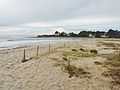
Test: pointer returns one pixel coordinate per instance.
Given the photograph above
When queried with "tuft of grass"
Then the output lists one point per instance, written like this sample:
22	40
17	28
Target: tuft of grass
64	58
55	59
113	57
85	54
113	65
74	50
81	49
110	44
114	74
94	51
76	72
98	63
60	64
79	54
72	70
67	53
84	50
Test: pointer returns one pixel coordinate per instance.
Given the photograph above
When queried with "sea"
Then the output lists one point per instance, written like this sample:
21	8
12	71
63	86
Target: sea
13	41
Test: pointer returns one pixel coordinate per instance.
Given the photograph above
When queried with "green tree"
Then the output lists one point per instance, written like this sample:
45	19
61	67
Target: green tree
73	34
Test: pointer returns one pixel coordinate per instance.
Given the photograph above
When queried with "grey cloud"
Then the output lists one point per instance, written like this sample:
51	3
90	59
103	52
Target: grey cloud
17	12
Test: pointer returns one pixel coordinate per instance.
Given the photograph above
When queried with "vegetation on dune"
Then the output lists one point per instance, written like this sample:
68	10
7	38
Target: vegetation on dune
98	63
85	54
94	51
80	53
82	49
74	50
72	70
109	44
68	55
113	65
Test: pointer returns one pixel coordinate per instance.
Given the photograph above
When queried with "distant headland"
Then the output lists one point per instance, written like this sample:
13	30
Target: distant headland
91	34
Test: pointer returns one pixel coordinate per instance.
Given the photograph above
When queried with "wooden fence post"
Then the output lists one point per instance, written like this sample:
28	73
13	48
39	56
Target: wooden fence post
37	51
64	44
77	43
119	53
69	68
49	47
24	59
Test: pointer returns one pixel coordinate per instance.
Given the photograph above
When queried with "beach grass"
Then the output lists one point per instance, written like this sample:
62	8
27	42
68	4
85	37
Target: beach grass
65	61
113	66
71	69
110	44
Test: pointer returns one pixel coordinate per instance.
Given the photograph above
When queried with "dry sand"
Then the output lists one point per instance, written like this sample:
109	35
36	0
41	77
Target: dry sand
41	74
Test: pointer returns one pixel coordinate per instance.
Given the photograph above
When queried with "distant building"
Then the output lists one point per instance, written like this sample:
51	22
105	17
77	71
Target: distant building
91	36
104	35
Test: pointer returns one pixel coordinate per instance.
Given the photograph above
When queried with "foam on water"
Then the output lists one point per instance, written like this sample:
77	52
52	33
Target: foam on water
17	41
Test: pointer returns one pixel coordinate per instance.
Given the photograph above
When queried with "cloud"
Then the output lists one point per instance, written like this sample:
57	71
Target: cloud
34	15
17	12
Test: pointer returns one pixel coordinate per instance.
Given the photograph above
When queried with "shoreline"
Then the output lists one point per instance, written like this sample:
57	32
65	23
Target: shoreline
41	41
75	39
30	45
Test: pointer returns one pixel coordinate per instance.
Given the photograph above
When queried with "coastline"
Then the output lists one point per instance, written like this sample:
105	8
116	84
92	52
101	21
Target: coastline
33	41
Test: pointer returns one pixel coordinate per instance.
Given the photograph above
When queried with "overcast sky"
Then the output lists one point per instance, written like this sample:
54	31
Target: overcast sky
28	16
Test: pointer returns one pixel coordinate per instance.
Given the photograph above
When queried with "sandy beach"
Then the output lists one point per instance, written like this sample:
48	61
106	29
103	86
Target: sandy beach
45	72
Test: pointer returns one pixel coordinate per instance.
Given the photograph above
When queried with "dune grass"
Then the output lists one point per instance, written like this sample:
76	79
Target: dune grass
113	66
109	44
98	63
66	58
75	52
72	70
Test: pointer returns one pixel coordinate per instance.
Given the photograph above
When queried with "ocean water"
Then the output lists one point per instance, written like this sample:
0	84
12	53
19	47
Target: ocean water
17	41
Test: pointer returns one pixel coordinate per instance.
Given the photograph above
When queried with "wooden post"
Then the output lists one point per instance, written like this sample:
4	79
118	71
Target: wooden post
24	59
69	68
77	43
49	47
119	53
64	44
37	51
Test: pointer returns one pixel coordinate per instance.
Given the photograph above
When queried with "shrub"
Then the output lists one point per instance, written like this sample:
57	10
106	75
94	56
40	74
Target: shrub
94	51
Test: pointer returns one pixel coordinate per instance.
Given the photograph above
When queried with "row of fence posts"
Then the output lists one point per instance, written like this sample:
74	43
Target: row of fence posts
24	54
37	53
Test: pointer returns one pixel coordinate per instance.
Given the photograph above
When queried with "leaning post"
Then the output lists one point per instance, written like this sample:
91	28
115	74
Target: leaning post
49	47
37	51
64	44
24	59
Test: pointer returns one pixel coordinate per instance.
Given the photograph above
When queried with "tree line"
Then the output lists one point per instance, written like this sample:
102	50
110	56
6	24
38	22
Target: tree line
97	34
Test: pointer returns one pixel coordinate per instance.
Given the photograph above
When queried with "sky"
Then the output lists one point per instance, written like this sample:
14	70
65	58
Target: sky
46	16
